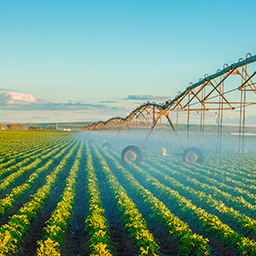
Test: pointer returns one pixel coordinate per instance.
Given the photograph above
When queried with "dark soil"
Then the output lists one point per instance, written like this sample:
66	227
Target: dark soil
217	247
26	197
76	239
215	244
20	160
120	240
24	177
21	157
75	243
168	244
231	224
28	245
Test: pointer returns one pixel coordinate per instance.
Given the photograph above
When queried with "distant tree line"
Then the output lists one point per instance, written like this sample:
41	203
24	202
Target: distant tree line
15	127
33	128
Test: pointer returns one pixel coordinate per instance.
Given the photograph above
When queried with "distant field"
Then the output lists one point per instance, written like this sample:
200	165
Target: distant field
61	195
76	126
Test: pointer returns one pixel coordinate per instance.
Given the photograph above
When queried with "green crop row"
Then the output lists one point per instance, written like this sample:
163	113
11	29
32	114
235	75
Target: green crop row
207	222
30	155
9	200
96	225
55	231
12	179
244	223
202	176
234	163
245	174
131	217
25	144
189	244
225	177
5	171
231	179
188	179
10	146
19	224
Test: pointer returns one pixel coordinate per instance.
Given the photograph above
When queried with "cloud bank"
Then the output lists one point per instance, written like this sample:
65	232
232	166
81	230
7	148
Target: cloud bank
22	101
9	98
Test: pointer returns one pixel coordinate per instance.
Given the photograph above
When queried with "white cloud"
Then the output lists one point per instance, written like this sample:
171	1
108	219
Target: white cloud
16	98
22	101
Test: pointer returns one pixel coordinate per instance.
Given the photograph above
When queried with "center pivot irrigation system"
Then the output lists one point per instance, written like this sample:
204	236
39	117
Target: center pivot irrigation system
233	87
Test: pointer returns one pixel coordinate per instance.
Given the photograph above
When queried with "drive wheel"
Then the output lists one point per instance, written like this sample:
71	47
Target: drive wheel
193	155
106	146
132	154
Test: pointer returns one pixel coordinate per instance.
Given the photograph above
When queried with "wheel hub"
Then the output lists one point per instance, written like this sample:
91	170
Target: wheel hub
130	156
191	157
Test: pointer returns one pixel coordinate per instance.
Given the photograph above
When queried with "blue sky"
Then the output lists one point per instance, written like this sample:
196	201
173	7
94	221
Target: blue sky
91	60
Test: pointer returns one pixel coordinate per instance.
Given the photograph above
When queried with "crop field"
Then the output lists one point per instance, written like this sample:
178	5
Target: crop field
61	194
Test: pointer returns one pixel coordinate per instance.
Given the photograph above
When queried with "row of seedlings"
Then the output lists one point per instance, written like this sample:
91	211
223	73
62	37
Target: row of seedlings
202	176
55	231
206	222
19	224
222	176
187	178
28	158
189	242
30	153
18	157
242	165
18	192
15	177
131	217
241	222
232	179
10	148
11	151
96	226
239	164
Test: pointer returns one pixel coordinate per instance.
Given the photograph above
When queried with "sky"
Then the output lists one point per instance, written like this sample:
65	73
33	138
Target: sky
92	60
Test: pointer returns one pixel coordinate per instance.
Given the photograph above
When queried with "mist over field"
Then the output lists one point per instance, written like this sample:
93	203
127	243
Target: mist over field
173	143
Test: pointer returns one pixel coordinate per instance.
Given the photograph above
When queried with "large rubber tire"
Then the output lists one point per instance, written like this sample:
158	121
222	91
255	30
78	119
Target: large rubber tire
106	146
132	154
193	155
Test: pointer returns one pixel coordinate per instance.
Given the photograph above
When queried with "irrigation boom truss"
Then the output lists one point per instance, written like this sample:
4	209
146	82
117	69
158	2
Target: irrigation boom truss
212	93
